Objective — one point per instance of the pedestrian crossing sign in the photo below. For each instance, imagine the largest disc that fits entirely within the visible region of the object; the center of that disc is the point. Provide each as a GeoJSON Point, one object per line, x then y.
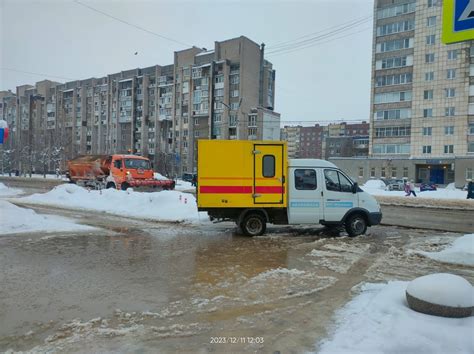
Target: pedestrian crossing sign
{"type": "Point", "coordinates": [458, 21]}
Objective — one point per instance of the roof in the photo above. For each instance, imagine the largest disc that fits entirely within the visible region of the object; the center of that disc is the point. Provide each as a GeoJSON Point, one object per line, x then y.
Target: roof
{"type": "Point", "coordinates": [131, 156]}
{"type": "Point", "coordinates": [310, 163]}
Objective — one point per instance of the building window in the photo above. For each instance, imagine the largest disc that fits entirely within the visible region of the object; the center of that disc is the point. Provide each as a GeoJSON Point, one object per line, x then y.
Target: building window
{"type": "Point", "coordinates": [430, 39]}
{"type": "Point", "coordinates": [450, 111]}
{"type": "Point", "coordinates": [427, 131]}
{"type": "Point", "coordinates": [234, 93]}
{"type": "Point", "coordinates": [428, 112]}
{"type": "Point", "coordinates": [305, 179]}
{"type": "Point", "coordinates": [431, 21]}
{"type": "Point", "coordinates": [388, 80]}
{"type": "Point", "coordinates": [432, 3]}
{"type": "Point", "coordinates": [448, 149]}
{"type": "Point", "coordinates": [196, 121]}
{"type": "Point", "coordinates": [372, 172]}
{"type": "Point", "coordinates": [452, 54]}
{"type": "Point", "coordinates": [252, 120]}
{"type": "Point", "coordinates": [428, 94]}
{"type": "Point", "coordinates": [470, 172]}
{"type": "Point", "coordinates": [388, 97]}
{"type": "Point", "coordinates": [252, 133]}
{"type": "Point", "coordinates": [429, 76]}
{"type": "Point", "coordinates": [450, 92]}
{"type": "Point", "coordinates": [429, 58]}
{"type": "Point", "coordinates": [470, 147]}
{"type": "Point", "coordinates": [451, 74]}
{"type": "Point", "coordinates": [405, 172]}
{"type": "Point", "coordinates": [219, 78]}
{"type": "Point", "coordinates": [196, 133]}
{"type": "Point", "coordinates": [471, 129]}
{"type": "Point", "coordinates": [396, 27]}
{"type": "Point", "coordinates": [396, 10]}
{"type": "Point", "coordinates": [449, 130]}
{"type": "Point", "coordinates": [427, 149]}
{"type": "Point", "coordinates": [401, 113]}
{"type": "Point", "coordinates": [361, 172]}
{"type": "Point", "coordinates": [394, 62]}
{"type": "Point", "coordinates": [395, 44]}
{"type": "Point", "coordinates": [382, 172]}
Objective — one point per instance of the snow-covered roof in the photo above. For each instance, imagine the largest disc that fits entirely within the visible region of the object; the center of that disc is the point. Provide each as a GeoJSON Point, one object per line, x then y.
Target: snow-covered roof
{"type": "Point", "coordinates": [204, 53]}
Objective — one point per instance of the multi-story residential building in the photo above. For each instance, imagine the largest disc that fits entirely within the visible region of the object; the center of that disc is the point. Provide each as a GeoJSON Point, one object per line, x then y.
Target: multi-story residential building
{"type": "Point", "coordinates": [158, 111]}
{"type": "Point", "coordinates": [422, 101]}
{"type": "Point", "coordinates": [335, 139]}
{"type": "Point", "coordinates": [292, 135]}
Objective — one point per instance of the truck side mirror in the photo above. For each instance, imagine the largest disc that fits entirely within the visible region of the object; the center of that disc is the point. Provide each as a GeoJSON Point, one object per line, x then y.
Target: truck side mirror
{"type": "Point", "coordinates": [355, 187]}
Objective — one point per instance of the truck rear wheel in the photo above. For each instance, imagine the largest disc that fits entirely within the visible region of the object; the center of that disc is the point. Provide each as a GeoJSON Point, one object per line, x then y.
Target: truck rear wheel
{"type": "Point", "coordinates": [356, 225]}
{"type": "Point", "coordinates": [110, 185]}
{"type": "Point", "coordinates": [253, 225]}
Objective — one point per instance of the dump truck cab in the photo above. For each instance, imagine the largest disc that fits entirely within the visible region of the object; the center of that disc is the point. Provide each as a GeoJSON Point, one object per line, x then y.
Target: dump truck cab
{"type": "Point", "coordinates": [253, 183]}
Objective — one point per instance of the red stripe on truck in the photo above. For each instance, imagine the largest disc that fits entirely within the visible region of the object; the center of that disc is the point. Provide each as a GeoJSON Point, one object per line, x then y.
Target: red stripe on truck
{"type": "Point", "coordinates": [241, 189]}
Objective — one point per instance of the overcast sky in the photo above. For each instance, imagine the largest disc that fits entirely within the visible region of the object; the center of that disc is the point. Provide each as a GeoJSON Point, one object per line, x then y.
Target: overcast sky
{"type": "Point", "coordinates": [327, 81]}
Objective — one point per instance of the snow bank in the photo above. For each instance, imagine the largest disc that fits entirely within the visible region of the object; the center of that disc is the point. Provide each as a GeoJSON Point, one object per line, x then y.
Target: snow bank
{"type": "Point", "coordinates": [461, 251]}
{"type": "Point", "coordinates": [374, 184]}
{"type": "Point", "coordinates": [442, 289]}
{"type": "Point", "coordinates": [379, 321]}
{"type": "Point", "coordinates": [14, 219]}
{"type": "Point", "coordinates": [159, 176]}
{"type": "Point", "coordinates": [8, 192]}
{"type": "Point", "coordinates": [441, 193]}
{"type": "Point", "coordinates": [163, 206]}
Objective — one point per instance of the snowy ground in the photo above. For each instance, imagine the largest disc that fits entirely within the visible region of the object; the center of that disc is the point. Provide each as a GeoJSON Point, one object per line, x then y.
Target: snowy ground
{"type": "Point", "coordinates": [8, 192]}
{"type": "Point", "coordinates": [461, 251]}
{"type": "Point", "coordinates": [14, 219]}
{"type": "Point", "coordinates": [38, 175]}
{"type": "Point", "coordinates": [377, 187]}
{"type": "Point", "coordinates": [163, 206]}
{"type": "Point", "coordinates": [380, 321]}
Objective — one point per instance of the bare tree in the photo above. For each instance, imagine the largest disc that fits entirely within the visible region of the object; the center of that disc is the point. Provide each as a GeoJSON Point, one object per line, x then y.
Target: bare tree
{"type": "Point", "coordinates": [43, 158]}
{"type": "Point", "coordinates": [26, 160]}
{"type": "Point", "coordinates": [7, 161]}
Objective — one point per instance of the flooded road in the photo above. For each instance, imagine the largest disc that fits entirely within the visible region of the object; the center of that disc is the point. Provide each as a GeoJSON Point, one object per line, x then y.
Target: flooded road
{"type": "Point", "coordinates": [137, 286]}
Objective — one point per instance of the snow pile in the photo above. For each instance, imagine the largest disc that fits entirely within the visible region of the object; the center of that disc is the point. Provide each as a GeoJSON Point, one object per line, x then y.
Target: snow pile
{"type": "Point", "coordinates": [442, 289]}
{"type": "Point", "coordinates": [375, 188]}
{"type": "Point", "coordinates": [159, 176]}
{"type": "Point", "coordinates": [379, 321]}
{"type": "Point", "coordinates": [374, 184]}
{"type": "Point", "coordinates": [451, 187]}
{"type": "Point", "coordinates": [14, 219]}
{"type": "Point", "coordinates": [460, 252]}
{"type": "Point", "coordinates": [8, 192]}
{"type": "Point", "coordinates": [184, 186]}
{"type": "Point", "coordinates": [163, 206]}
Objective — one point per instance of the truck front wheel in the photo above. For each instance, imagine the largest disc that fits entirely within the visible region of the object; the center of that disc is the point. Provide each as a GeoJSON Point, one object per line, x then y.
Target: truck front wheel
{"type": "Point", "coordinates": [124, 186]}
{"type": "Point", "coordinates": [253, 225]}
{"type": "Point", "coordinates": [356, 225]}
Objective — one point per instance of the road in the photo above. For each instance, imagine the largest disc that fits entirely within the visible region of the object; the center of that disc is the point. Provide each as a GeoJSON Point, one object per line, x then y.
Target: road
{"type": "Point", "coordinates": [137, 286]}
{"type": "Point", "coordinates": [443, 219]}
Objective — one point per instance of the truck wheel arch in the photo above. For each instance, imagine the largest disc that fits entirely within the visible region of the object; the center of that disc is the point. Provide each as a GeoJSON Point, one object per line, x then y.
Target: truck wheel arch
{"type": "Point", "coordinates": [244, 213]}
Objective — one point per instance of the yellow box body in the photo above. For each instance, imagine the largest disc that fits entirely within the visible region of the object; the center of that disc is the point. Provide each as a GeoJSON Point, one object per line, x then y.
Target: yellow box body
{"type": "Point", "coordinates": [238, 174]}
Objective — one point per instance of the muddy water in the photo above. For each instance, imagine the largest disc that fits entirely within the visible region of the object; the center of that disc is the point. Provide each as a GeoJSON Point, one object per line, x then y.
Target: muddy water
{"type": "Point", "coordinates": [142, 287]}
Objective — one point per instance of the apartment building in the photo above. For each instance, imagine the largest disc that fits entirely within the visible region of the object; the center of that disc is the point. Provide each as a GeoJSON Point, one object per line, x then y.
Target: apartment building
{"type": "Point", "coordinates": [322, 142]}
{"type": "Point", "coordinates": [422, 98]}
{"type": "Point", "coordinates": [159, 111]}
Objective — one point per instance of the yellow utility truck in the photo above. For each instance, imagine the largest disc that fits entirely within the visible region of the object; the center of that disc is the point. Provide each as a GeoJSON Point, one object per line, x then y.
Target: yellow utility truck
{"type": "Point", "coordinates": [254, 183]}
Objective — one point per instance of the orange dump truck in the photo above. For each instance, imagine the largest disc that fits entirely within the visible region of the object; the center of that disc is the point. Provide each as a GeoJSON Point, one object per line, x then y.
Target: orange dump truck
{"type": "Point", "coordinates": [114, 171]}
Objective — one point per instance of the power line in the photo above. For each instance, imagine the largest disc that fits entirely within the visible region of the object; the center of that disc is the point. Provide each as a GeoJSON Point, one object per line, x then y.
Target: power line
{"type": "Point", "coordinates": [282, 44]}
{"type": "Point", "coordinates": [131, 24]}
{"type": "Point", "coordinates": [37, 74]}
{"type": "Point", "coordinates": [314, 40]}
{"type": "Point", "coordinates": [320, 43]}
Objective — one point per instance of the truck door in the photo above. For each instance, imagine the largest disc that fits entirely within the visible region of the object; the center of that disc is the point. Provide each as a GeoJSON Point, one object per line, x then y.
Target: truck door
{"type": "Point", "coordinates": [305, 204]}
{"type": "Point", "coordinates": [268, 174]}
{"type": "Point", "coordinates": [338, 196]}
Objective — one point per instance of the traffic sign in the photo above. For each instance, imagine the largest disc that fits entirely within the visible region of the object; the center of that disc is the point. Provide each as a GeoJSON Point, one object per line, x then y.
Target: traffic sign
{"type": "Point", "coordinates": [458, 21]}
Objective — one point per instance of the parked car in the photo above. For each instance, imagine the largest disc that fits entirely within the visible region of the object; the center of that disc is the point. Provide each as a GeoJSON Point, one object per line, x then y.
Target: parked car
{"type": "Point", "coordinates": [427, 187]}
{"type": "Point", "coordinates": [188, 177]}
{"type": "Point", "coordinates": [395, 184]}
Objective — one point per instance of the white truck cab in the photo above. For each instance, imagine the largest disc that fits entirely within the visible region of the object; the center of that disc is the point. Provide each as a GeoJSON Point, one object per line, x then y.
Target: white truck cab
{"type": "Point", "coordinates": [319, 192]}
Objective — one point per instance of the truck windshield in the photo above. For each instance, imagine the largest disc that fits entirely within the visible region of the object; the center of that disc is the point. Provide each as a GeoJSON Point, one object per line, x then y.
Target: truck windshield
{"type": "Point", "coordinates": [137, 163]}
